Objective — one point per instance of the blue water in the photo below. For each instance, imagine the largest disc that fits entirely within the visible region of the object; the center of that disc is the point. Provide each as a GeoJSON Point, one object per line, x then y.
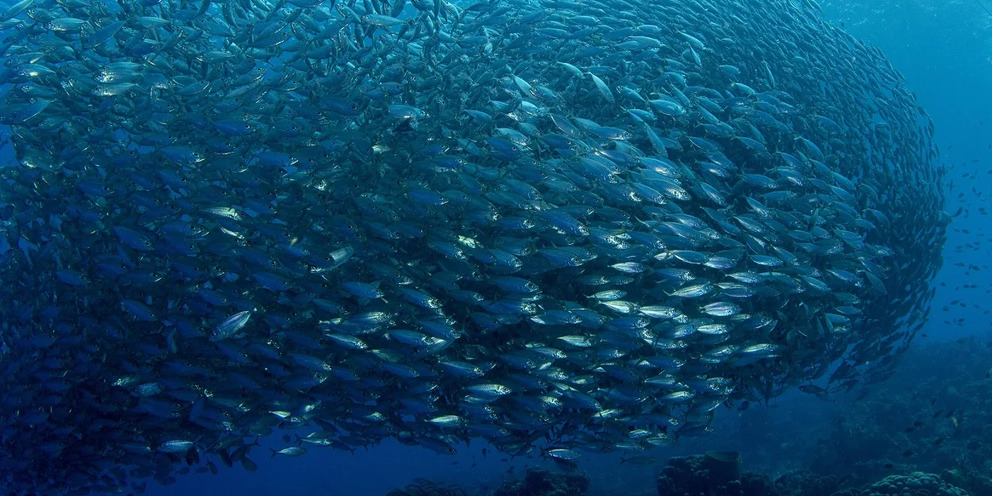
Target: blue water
{"type": "Point", "coordinates": [944, 49]}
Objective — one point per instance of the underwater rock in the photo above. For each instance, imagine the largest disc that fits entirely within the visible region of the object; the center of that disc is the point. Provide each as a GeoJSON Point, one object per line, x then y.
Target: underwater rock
{"type": "Point", "coordinates": [889, 430]}
{"type": "Point", "coordinates": [723, 465]}
{"type": "Point", "coordinates": [424, 487]}
{"type": "Point", "coordinates": [716, 473]}
{"type": "Point", "coordinates": [974, 481]}
{"type": "Point", "coordinates": [540, 482]}
{"type": "Point", "coordinates": [753, 484]}
{"type": "Point", "coordinates": [916, 483]}
{"type": "Point", "coordinates": [806, 483]}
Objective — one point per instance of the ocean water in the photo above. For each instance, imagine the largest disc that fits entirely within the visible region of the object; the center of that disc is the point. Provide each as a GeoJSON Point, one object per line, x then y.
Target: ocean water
{"type": "Point", "coordinates": [931, 414]}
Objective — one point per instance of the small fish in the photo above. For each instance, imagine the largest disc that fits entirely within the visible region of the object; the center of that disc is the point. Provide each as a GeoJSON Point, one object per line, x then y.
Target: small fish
{"type": "Point", "coordinates": [384, 20]}
{"type": "Point", "coordinates": [289, 451]}
{"type": "Point", "coordinates": [563, 454]}
{"type": "Point", "coordinates": [176, 446]}
{"type": "Point", "coordinates": [815, 390]}
{"type": "Point", "coordinates": [231, 325]}
{"type": "Point", "coordinates": [489, 390]}
{"type": "Point", "coordinates": [602, 87]}
{"type": "Point", "coordinates": [15, 10]}
{"type": "Point", "coordinates": [447, 421]}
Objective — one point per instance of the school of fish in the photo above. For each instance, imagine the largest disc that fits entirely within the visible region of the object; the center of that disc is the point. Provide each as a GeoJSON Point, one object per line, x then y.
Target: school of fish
{"type": "Point", "coordinates": [557, 225]}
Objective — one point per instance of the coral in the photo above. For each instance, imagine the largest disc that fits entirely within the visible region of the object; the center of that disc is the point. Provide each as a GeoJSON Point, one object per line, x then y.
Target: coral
{"type": "Point", "coordinates": [806, 483]}
{"type": "Point", "coordinates": [757, 485]}
{"type": "Point", "coordinates": [973, 481]}
{"type": "Point", "coordinates": [423, 487]}
{"type": "Point", "coordinates": [934, 416]}
{"type": "Point", "coordinates": [847, 492]}
{"type": "Point", "coordinates": [714, 474]}
{"type": "Point", "coordinates": [914, 484]}
{"type": "Point", "coordinates": [540, 482]}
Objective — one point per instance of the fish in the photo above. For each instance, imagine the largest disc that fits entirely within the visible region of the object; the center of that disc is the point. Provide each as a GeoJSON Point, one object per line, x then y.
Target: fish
{"type": "Point", "coordinates": [289, 451]}
{"type": "Point", "coordinates": [528, 222]}
{"type": "Point", "coordinates": [563, 454]}
{"type": "Point", "coordinates": [231, 325]}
